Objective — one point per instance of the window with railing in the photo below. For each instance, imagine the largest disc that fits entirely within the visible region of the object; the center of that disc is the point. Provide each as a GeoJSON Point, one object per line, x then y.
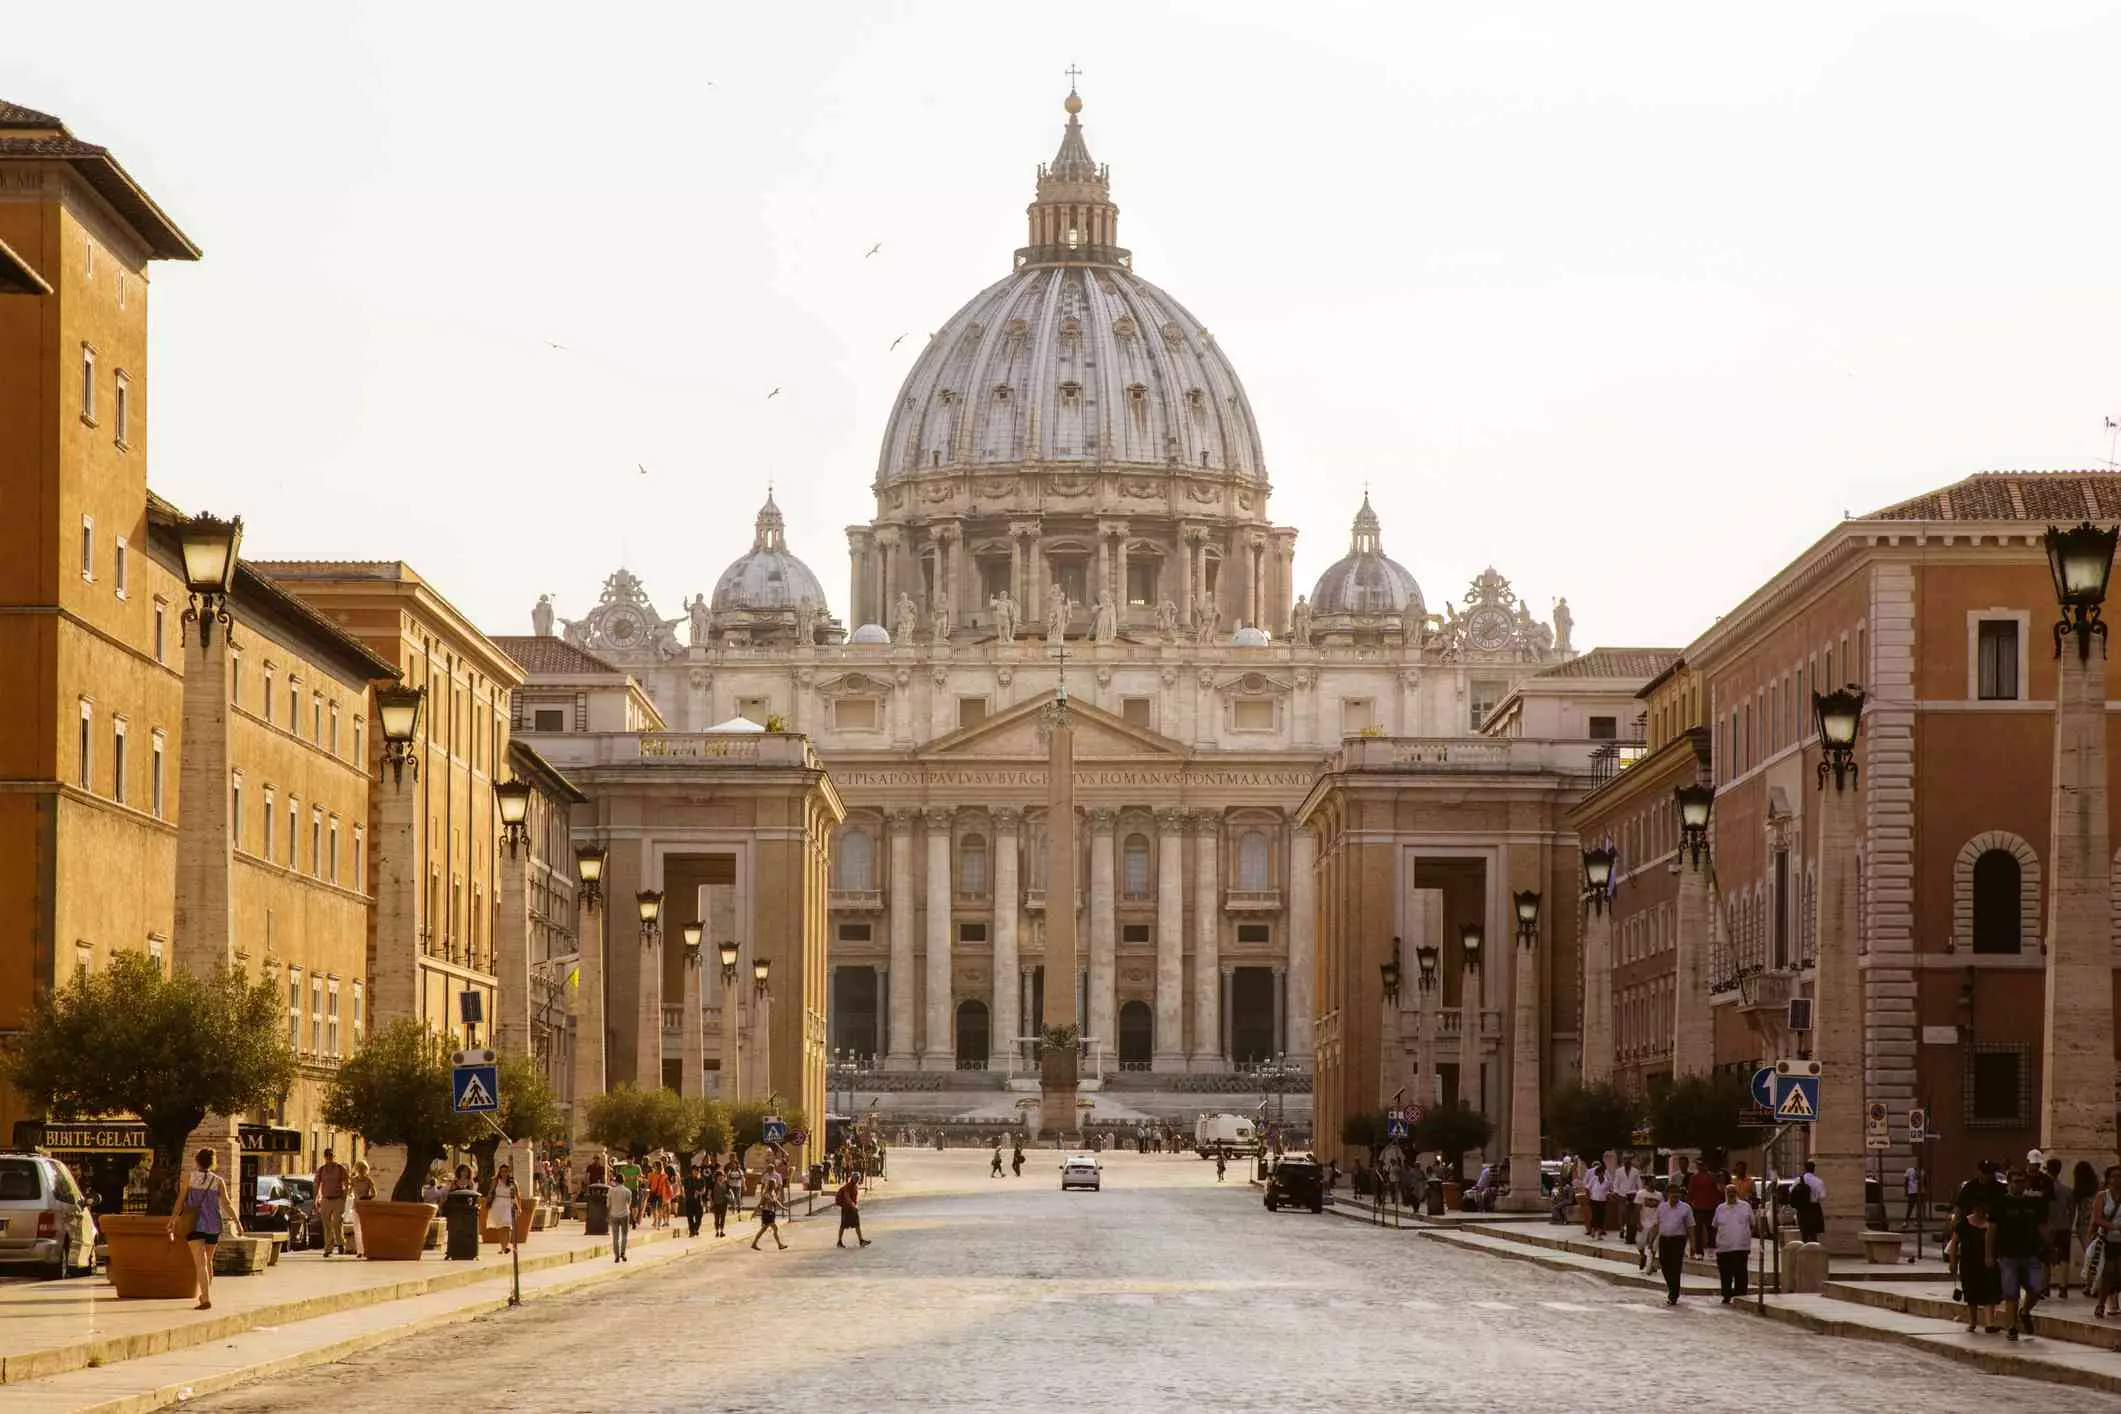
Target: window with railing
{"type": "Point", "coordinates": [1255, 867]}
{"type": "Point", "coordinates": [1135, 879]}
{"type": "Point", "coordinates": [856, 865]}
{"type": "Point", "coordinates": [972, 866]}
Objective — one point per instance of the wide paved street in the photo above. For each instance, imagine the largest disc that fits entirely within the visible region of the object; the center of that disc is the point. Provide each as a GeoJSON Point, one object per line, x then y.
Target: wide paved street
{"type": "Point", "coordinates": [1164, 1291]}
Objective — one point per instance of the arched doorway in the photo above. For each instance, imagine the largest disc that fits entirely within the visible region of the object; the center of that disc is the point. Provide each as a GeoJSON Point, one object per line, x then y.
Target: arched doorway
{"type": "Point", "coordinates": [1137, 1035]}
{"type": "Point", "coordinates": [972, 1035]}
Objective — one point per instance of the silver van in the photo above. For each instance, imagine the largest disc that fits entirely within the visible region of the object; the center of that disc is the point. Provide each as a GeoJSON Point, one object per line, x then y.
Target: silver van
{"type": "Point", "coordinates": [43, 1217]}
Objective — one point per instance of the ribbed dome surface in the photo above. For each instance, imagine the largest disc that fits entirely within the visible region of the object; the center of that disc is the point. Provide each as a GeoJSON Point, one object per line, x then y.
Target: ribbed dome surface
{"type": "Point", "coordinates": [768, 576]}
{"type": "Point", "coordinates": [1366, 580]}
{"type": "Point", "coordinates": [1072, 364]}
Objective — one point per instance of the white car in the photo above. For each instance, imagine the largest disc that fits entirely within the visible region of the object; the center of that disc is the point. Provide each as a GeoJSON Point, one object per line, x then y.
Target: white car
{"type": "Point", "coordinates": [1081, 1171]}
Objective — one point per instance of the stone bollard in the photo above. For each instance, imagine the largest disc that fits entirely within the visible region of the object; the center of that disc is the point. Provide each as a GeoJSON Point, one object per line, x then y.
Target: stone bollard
{"type": "Point", "coordinates": [1803, 1267]}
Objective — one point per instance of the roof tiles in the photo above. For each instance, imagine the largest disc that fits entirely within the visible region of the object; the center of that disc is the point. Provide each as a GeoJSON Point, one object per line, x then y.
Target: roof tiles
{"type": "Point", "coordinates": [542, 655]}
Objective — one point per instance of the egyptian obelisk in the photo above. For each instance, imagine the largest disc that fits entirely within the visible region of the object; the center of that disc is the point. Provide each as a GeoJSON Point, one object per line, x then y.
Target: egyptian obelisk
{"type": "Point", "coordinates": [1057, 1062]}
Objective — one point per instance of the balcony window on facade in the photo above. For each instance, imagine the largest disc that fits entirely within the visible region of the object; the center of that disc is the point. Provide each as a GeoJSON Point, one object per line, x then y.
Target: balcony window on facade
{"type": "Point", "coordinates": [1252, 715]}
{"type": "Point", "coordinates": [316, 1016]}
{"type": "Point", "coordinates": [972, 866]}
{"type": "Point", "coordinates": [331, 1019]}
{"type": "Point", "coordinates": [1996, 660]}
{"type": "Point", "coordinates": [857, 860]}
{"type": "Point", "coordinates": [358, 1019]}
{"type": "Point", "coordinates": [294, 828]}
{"type": "Point", "coordinates": [1142, 577]}
{"type": "Point", "coordinates": [971, 711]}
{"type": "Point", "coordinates": [265, 696]}
{"type": "Point", "coordinates": [120, 567]}
{"type": "Point", "coordinates": [1483, 698]}
{"type": "Point", "coordinates": [316, 843]}
{"type": "Point", "coordinates": [1997, 916]}
{"type": "Point", "coordinates": [1254, 862]}
{"type": "Point", "coordinates": [548, 719]}
{"type": "Point", "coordinates": [1605, 729]}
{"type": "Point", "coordinates": [1355, 714]}
{"type": "Point", "coordinates": [359, 836]}
{"type": "Point", "coordinates": [756, 709]}
{"type": "Point", "coordinates": [1135, 881]}
{"type": "Point", "coordinates": [294, 706]}
{"type": "Point", "coordinates": [235, 809]}
{"type": "Point", "coordinates": [88, 383]}
{"type": "Point", "coordinates": [122, 409]}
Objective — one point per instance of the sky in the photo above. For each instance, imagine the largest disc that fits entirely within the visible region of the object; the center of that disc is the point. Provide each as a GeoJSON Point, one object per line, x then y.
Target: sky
{"type": "Point", "coordinates": [1630, 302]}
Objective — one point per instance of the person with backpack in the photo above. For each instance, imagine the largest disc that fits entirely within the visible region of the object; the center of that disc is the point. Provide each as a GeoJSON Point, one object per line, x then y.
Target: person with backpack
{"type": "Point", "coordinates": [849, 1198]}
{"type": "Point", "coordinates": [2106, 1231]}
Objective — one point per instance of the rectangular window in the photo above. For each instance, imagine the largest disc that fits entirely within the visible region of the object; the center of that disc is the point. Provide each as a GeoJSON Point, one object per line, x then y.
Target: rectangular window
{"type": "Point", "coordinates": [1252, 715]}
{"type": "Point", "coordinates": [158, 749]}
{"type": "Point", "coordinates": [358, 1019]}
{"type": "Point", "coordinates": [854, 932]}
{"type": "Point", "coordinates": [294, 1007]}
{"type": "Point", "coordinates": [294, 706]}
{"type": "Point", "coordinates": [331, 1019]}
{"type": "Point", "coordinates": [88, 384]}
{"type": "Point", "coordinates": [294, 826]}
{"type": "Point", "coordinates": [1998, 1085]}
{"type": "Point", "coordinates": [269, 845]}
{"type": "Point", "coordinates": [753, 709]}
{"type": "Point", "coordinates": [1997, 667]}
{"type": "Point", "coordinates": [161, 631]}
{"type": "Point", "coordinates": [88, 548]}
{"type": "Point", "coordinates": [316, 843]}
{"type": "Point", "coordinates": [335, 729]}
{"type": "Point", "coordinates": [316, 1016]}
{"type": "Point", "coordinates": [117, 760]}
{"type": "Point", "coordinates": [88, 745]}
{"type": "Point", "coordinates": [265, 698]}
{"type": "Point", "coordinates": [1134, 711]}
{"type": "Point", "coordinates": [972, 932]}
{"type": "Point", "coordinates": [550, 719]}
{"type": "Point", "coordinates": [1605, 728]}
{"type": "Point", "coordinates": [235, 809]}
{"type": "Point", "coordinates": [359, 837]}
{"type": "Point", "coordinates": [334, 849]}
{"type": "Point", "coordinates": [316, 720]}
{"type": "Point", "coordinates": [121, 409]}
{"type": "Point", "coordinates": [1134, 933]}
{"type": "Point", "coordinates": [1484, 697]}
{"type": "Point", "coordinates": [1355, 714]}
{"type": "Point", "coordinates": [359, 758]}
{"type": "Point", "coordinates": [971, 711]}
{"type": "Point", "coordinates": [1255, 933]}
{"type": "Point", "coordinates": [120, 567]}
{"type": "Point", "coordinates": [156, 943]}
{"type": "Point", "coordinates": [854, 714]}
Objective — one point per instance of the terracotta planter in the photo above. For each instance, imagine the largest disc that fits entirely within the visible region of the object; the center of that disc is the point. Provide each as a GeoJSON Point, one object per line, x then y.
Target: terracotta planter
{"type": "Point", "coordinates": [394, 1232]}
{"type": "Point", "coordinates": [145, 1262]}
{"type": "Point", "coordinates": [1452, 1192]}
{"type": "Point", "coordinates": [526, 1211]}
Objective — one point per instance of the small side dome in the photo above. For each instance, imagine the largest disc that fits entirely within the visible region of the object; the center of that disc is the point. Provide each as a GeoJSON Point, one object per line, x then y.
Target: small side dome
{"type": "Point", "coordinates": [1366, 581]}
{"type": "Point", "coordinates": [768, 595]}
{"type": "Point", "coordinates": [871, 635]}
{"type": "Point", "coordinates": [1249, 636]}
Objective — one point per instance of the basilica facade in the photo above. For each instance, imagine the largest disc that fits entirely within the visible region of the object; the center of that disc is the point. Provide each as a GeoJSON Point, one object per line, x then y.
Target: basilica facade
{"type": "Point", "coordinates": [1072, 489]}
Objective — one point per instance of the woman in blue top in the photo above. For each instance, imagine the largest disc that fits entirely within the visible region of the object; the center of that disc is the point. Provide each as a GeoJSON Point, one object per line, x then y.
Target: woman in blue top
{"type": "Point", "coordinates": [206, 1204]}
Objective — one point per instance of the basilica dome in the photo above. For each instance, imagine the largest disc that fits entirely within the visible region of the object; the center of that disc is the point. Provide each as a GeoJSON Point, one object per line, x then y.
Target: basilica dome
{"type": "Point", "coordinates": [1366, 581]}
{"type": "Point", "coordinates": [1072, 358]}
{"type": "Point", "coordinates": [768, 584]}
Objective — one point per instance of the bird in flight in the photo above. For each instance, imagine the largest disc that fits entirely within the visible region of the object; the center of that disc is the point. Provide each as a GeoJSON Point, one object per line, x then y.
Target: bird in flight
{"type": "Point", "coordinates": [772, 395]}
{"type": "Point", "coordinates": [872, 250]}
{"type": "Point", "coordinates": [644, 470]}
{"type": "Point", "coordinates": [899, 340]}
{"type": "Point", "coordinates": [551, 345]}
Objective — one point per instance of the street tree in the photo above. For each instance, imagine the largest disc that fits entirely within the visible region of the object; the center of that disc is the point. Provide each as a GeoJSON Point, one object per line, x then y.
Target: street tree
{"type": "Point", "coordinates": [637, 1122]}
{"type": "Point", "coordinates": [171, 1048]}
{"type": "Point", "coordinates": [1704, 1112]}
{"type": "Point", "coordinates": [1452, 1129]}
{"type": "Point", "coordinates": [1591, 1119]}
{"type": "Point", "coordinates": [397, 1090]}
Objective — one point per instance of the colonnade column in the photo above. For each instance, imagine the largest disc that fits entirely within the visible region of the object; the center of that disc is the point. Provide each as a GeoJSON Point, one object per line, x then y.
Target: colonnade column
{"type": "Point", "coordinates": [937, 1052]}
{"type": "Point", "coordinates": [1303, 940]}
{"type": "Point", "coordinates": [1007, 1019]}
{"type": "Point", "coordinates": [899, 824]}
{"type": "Point", "coordinates": [1104, 936]}
{"type": "Point", "coordinates": [1597, 1025]}
{"type": "Point", "coordinates": [588, 1021]}
{"type": "Point", "coordinates": [1207, 948]}
{"type": "Point", "coordinates": [1170, 1054]}
{"type": "Point", "coordinates": [886, 571]}
{"type": "Point", "coordinates": [648, 1015]}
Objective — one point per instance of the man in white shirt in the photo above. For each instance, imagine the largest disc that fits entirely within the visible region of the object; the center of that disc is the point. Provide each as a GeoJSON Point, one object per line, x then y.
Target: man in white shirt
{"type": "Point", "coordinates": [618, 1203]}
{"type": "Point", "coordinates": [1598, 1188]}
{"type": "Point", "coordinates": [1733, 1222]}
{"type": "Point", "coordinates": [1911, 1182]}
{"type": "Point", "coordinates": [1626, 1185]}
{"type": "Point", "coordinates": [1675, 1220]}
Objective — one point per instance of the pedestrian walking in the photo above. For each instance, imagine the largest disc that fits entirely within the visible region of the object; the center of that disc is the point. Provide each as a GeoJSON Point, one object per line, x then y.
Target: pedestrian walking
{"type": "Point", "coordinates": [769, 1210]}
{"type": "Point", "coordinates": [1808, 1196]}
{"type": "Point", "coordinates": [1627, 1187]}
{"type": "Point", "coordinates": [1703, 1193]}
{"type": "Point", "coordinates": [202, 1215]}
{"type": "Point", "coordinates": [1016, 1159]}
{"type": "Point", "coordinates": [718, 1198]}
{"type": "Point", "coordinates": [695, 1199]}
{"type": "Point", "coordinates": [2018, 1237]}
{"type": "Point", "coordinates": [364, 1191]}
{"type": "Point", "coordinates": [501, 1206]}
{"type": "Point", "coordinates": [1221, 1164]}
{"type": "Point", "coordinates": [332, 1183]}
{"type": "Point", "coordinates": [1911, 1185]}
{"type": "Point", "coordinates": [1675, 1222]}
{"type": "Point", "coordinates": [849, 1198]}
{"type": "Point", "coordinates": [618, 1200]}
{"type": "Point", "coordinates": [2060, 1222]}
{"type": "Point", "coordinates": [1734, 1242]}
{"type": "Point", "coordinates": [1598, 1187]}
{"type": "Point", "coordinates": [1646, 1205]}
{"type": "Point", "coordinates": [2105, 1231]}
{"type": "Point", "coordinates": [995, 1169]}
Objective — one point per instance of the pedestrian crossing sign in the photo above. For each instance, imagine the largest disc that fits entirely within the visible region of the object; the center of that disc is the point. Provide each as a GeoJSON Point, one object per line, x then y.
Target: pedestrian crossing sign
{"type": "Point", "coordinates": [476, 1089]}
{"type": "Point", "coordinates": [1798, 1099]}
{"type": "Point", "coordinates": [1395, 1128]}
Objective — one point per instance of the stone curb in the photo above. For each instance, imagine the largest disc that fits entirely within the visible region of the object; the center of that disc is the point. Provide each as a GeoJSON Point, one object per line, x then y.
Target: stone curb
{"type": "Point", "coordinates": [1565, 1262]}
{"type": "Point", "coordinates": [2003, 1359]}
{"type": "Point", "coordinates": [2081, 1333]}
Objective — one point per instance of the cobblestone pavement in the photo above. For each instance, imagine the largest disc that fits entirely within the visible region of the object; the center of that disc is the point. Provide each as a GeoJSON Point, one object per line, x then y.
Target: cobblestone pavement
{"type": "Point", "coordinates": [1164, 1291]}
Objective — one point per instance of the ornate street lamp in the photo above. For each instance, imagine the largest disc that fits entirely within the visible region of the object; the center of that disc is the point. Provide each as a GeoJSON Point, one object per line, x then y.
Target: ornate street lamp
{"type": "Point", "coordinates": [1694, 802]}
{"type": "Point", "coordinates": [513, 799]}
{"type": "Point", "coordinates": [1597, 876]}
{"type": "Point", "coordinates": [1425, 962]}
{"type": "Point", "coordinates": [728, 951]}
{"type": "Point", "coordinates": [208, 545]}
{"type": "Point", "coordinates": [2081, 561]}
{"type": "Point", "coordinates": [1388, 972]}
{"type": "Point", "coordinates": [589, 863]}
{"type": "Point", "coordinates": [650, 903]}
{"type": "Point", "coordinates": [760, 968]}
{"type": "Point", "coordinates": [1527, 903]}
{"type": "Point", "coordinates": [693, 932]}
{"type": "Point", "coordinates": [1840, 716]}
{"type": "Point", "coordinates": [398, 714]}
{"type": "Point", "coordinates": [1469, 944]}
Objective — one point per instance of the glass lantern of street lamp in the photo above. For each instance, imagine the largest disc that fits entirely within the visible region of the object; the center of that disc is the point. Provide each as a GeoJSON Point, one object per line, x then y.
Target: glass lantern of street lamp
{"type": "Point", "coordinates": [1598, 875]}
{"type": "Point", "coordinates": [693, 932]}
{"type": "Point", "coordinates": [1469, 943]}
{"type": "Point", "coordinates": [208, 547]}
{"type": "Point", "coordinates": [1388, 974]}
{"type": "Point", "coordinates": [1425, 960]}
{"type": "Point", "coordinates": [727, 948]}
{"type": "Point", "coordinates": [761, 968]}
{"type": "Point", "coordinates": [1526, 902]}
{"type": "Point", "coordinates": [512, 798]}
{"type": "Point", "coordinates": [589, 864]}
{"type": "Point", "coordinates": [2081, 561]}
{"type": "Point", "coordinates": [1840, 717]}
{"type": "Point", "coordinates": [650, 904]}
{"type": "Point", "coordinates": [398, 717]}
{"type": "Point", "coordinates": [1694, 803]}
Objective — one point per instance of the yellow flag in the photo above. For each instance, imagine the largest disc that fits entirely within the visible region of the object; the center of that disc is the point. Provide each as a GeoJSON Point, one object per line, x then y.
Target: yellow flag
{"type": "Point", "coordinates": [574, 976]}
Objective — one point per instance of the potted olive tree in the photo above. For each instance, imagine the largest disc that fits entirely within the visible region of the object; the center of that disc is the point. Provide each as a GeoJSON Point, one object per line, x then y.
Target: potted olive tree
{"type": "Point", "coordinates": [171, 1049]}
{"type": "Point", "coordinates": [1451, 1130]}
{"type": "Point", "coordinates": [396, 1090]}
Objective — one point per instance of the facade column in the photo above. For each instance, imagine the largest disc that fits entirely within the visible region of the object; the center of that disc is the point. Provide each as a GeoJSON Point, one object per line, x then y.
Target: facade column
{"type": "Point", "coordinates": [1693, 1022]}
{"type": "Point", "coordinates": [883, 1006]}
{"type": "Point", "coordinates": [1425, 913]}
{"type": "Point", "coordinates": [692, 1029]}
{"type": "Point", "coordinates": [1598, 992]}
{"type": "Point", "coordinates": [1028, 1003]}
{"type": "Point", "coordinates": [1186, 537]}
{"type": "Point", "coordinates": [2077, 1037]}
{"type": "Point", "coordinates": [1303, 941]}
{"type": "Point", "coordinates": [1007, 1017]}
{"type": "Point", "coordinates": [887, 539]}
{"type": "Point", "coordinates": [1229, 972]}
{"type": "Point", "coordinates": [937, 1052]}
{"type": "Point", "coordinates": [901, 1056]}
{"type": "Point", "coordinates": [648, 1013]}
{"type": "Point", "coordinates": [1170, 1054]}
{"type": "Point", "coordinates": [1119, 576]}
{"type": "Point", "coordinates": [1018, 590]}
{"type": "Point", "coordinates": [1838, 1023]}
{"type": "Point", "coordinates": [204, 941]}
{"type": "Point", "coordinates": [588, 1022]}
{"type": "Point", "coordinates": [1207, 946]}
{"type": "Point", "coordinates": [511, 963]}
{"type": "Point", "coordinates": [1281, 1011]}
{"type": "Point", "coordinates": [1035, 567]}
{"type": "Point", "coordinates": [1104, 930]}
{"type": "Point", "coordinates": [1470, 1089]}
{"type": "Point", "coordinates": [1104, 565]}
{"type": "Point", "coordinates": [1525, 1083]}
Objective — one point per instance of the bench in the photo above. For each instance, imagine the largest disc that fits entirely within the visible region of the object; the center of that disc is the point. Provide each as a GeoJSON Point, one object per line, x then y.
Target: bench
{"type": "Point", "coordinates": [1881, 1249]}
{"type": "Point", "coordinates": [243, 1256]}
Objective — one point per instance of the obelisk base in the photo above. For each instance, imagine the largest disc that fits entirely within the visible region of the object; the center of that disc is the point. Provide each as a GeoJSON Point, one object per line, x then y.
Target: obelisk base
{"type": "Point", "coordinates": [1057, 1113]}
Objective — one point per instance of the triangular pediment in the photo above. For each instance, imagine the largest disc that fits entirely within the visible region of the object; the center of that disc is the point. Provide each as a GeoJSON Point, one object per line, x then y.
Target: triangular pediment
{"type": "Point", "coordinates": [1016, 732]}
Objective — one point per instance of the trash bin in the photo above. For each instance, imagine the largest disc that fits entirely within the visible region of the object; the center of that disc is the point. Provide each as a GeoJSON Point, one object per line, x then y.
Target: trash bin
{"type": "Point", "coordinates": [596, 1217]}
{"type": "Point", "coordinates": [1262, 1168]}
{"type": "Point", "coordinates": [460, 1214]}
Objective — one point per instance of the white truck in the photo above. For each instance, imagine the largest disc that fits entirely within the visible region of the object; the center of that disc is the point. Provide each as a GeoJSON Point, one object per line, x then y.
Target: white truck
{"type": "Point", "coordinates": [1225, 1134]}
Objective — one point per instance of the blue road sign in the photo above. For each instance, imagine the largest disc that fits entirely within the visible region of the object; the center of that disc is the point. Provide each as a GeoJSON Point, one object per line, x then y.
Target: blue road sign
{"type": "Point", "coordinates": [1798, 1100]}
{"type": "Point", "coordinates": [1395, 1128]}
{"type": "Point", "coordinates": [774, 1131]}
{"type": "Point", "coordinates": [1764, 1087]}
{"type": "Point", "coordinates": [476, 1089]}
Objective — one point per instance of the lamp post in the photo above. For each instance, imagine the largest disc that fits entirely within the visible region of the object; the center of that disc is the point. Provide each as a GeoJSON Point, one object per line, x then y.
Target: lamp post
{"type": "Point", "coordinates": [1693, 1023]}
{"type": "Point", "coordinates": [589, 1055]}
{"type": "Point", "coordinates": [2077, 1031]}
{"type": "Point", "coordinates": [649, 903]}
{"type": "Point", "coordinates": [1471, 1091]}
{"type": "Point", "coordinates": [1388, 974]}
{"type": "Point", "coordinates": [648, 1011]}
{"type": "Point", "coordinates": [511, 932]}
{"type": "Point", "coordinates": [208, 546]}
{"type": "Point", "coordinates": [692, 1035]}
{"type": "Point", "coordinates": [1838, 1005]}
{"type": "Point", "coordinates": [512, 798]}
{"type": "Point", "coordinates": [1524, 1058]}
{"type": "Point", "coordinates": [398, 717]}
{"type": "Point", "coordinates": [732, 1078]}
{"type": "Point", "coordinates": [1425, 955]}
{"type": "Point", "coordinates": [1596, 1027]}
{"type": "Point", "coordinates": [1693, 802]}
{"type": "Point", "coordinates": [762, 1021]}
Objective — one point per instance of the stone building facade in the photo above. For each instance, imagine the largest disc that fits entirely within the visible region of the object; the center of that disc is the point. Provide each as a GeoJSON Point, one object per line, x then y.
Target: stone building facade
{"type": "Point", "coordinates": [1072, 482]}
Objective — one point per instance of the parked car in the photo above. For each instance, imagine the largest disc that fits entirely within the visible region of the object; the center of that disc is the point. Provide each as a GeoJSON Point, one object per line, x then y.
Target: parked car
{"type": "Point", "coordinates": [305, 1229]}
{"type": "Point", "coordinates": [277, 1208]}
{"type": "Point", "coordinates": [1297, 1182]}
{"type": "Point", "coordinates": [44, 1219]}
{"type": "Point", "coordinates": [1081, 1171]}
